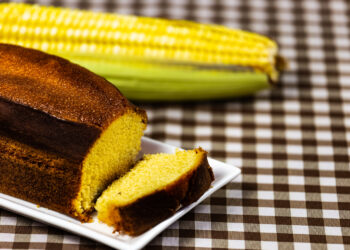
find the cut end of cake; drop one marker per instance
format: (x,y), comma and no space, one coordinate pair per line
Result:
(154,189)
(112,155)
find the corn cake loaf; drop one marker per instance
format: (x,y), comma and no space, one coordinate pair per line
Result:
(154,189)
(65,133)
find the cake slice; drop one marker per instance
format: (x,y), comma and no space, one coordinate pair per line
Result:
(65,133)
(154,189)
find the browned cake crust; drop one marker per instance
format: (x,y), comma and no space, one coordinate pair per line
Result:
(143,214)
(51,113)
(38,176)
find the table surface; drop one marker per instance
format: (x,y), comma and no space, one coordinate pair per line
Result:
(291,142)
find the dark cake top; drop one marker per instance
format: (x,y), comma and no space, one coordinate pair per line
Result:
(57,87)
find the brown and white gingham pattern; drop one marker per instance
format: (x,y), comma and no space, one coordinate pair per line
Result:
(292,142)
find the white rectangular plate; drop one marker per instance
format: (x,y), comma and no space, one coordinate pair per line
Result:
(102,233)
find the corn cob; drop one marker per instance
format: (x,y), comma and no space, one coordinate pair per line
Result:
(148,58)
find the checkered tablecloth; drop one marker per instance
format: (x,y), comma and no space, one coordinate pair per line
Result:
(291,142)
